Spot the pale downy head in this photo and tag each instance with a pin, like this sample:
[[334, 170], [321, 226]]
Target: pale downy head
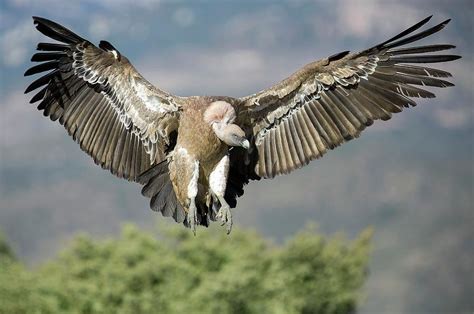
[[220, 115]]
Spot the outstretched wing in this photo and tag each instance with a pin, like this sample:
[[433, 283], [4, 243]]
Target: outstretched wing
[[116, 116], [329, 102]]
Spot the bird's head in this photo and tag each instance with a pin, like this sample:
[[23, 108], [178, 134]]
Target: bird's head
[[231, 134], [220, 115]]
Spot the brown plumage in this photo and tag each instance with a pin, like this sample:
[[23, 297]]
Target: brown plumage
[[194, 154]]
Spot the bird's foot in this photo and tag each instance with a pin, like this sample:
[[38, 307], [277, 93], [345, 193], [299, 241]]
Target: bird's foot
[[225, 216], [192, 218]]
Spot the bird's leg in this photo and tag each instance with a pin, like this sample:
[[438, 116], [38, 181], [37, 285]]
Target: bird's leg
[[192, 215], [218, 183], [192, 192]]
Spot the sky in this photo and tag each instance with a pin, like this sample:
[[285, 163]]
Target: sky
[[410, 178]]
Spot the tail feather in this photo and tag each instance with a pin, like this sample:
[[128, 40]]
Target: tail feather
[[158, 187]]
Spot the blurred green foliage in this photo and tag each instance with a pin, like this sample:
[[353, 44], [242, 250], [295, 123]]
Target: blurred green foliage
[[176, 272]]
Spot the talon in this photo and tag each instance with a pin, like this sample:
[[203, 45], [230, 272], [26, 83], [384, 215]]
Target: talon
[[192, 218], [220, 216], [225, 216]]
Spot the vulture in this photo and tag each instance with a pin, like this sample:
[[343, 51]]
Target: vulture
[[194, 155]]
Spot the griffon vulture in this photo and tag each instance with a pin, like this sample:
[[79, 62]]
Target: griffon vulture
[[195, 154]]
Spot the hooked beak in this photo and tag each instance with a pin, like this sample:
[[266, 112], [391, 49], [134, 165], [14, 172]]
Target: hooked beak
[[245, 144]]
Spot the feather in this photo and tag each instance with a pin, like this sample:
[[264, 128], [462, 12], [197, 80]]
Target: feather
[[156, 170], [41, 81], [52, 47], [291, 144], [42, 67], [281, 151], [322, 126], [417, 70], [286, 148], [334, 123], [92, 121], [102, 130], [179, 213], [338, 56], [111, 144], [274, 152], [56, 31], [269, 158], [133, 161], [424, 59], [155, 185], [376, 111], [319, 123], [166, 209], [39, 95], [119, 151], [404, 33], [397, 99], [125, 160], [47, 56], [420, 49], [307, 138], [413, 79], [343, 124], [319, 147], [93, 126], [417, 36], [297, 141], [74, 111], [360, 113]]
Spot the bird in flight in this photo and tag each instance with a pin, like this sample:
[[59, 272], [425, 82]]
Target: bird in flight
[[193, 155]]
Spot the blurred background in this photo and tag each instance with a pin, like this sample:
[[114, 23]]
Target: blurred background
[[410, 178]]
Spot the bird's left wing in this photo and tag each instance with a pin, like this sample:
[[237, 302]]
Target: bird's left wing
[[117, 117], [329, 102]]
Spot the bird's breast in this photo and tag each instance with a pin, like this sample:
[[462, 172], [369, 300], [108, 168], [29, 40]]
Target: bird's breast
[[198, 138]]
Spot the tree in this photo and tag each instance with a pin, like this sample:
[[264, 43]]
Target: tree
[[176, 272]]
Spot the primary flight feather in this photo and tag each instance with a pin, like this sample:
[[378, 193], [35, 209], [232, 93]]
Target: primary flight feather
[[193, 155]]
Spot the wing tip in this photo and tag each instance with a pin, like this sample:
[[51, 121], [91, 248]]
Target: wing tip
[[442, 24], [426, 19], [445, 22], [456, 57], [29, 89], [37, 20]]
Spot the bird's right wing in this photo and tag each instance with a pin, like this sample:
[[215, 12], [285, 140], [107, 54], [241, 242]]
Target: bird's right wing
[[117, 117]]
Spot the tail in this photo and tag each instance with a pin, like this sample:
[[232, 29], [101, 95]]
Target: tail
[[158, 187]]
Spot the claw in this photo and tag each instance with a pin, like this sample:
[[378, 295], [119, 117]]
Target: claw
[[225, 216]]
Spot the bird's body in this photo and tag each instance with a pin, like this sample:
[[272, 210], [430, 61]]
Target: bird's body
[[193, 155], [196, 157]]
